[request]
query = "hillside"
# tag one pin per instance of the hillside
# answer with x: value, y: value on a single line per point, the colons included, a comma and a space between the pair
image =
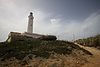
x: 42, y: 53
x: 91, y: 41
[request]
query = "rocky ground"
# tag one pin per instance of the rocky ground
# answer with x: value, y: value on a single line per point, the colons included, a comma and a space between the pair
x: 42, y: 54
x: 53, y: 61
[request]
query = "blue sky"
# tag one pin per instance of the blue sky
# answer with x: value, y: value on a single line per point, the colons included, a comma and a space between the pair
x: 63, y: 18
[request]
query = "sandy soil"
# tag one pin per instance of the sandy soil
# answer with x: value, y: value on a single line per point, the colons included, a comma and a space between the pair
x: 95, y: 60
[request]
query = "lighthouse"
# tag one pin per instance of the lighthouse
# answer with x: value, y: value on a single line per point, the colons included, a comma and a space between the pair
x: 29, y: 35
x: 30, y: 23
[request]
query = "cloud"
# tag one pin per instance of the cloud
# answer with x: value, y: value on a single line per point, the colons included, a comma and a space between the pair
x: 86, y: 28
x: 92, y: 23
x: 65, y: 29
x: 14, y: 17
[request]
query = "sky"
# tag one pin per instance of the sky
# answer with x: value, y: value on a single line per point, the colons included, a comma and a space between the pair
x: 67, y: 19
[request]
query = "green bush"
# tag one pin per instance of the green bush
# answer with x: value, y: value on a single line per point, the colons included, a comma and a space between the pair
x: 91, y: 41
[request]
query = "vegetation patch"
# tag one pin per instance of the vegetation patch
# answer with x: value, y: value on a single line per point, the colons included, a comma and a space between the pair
x: 91, y: 41
x: 39, y: 48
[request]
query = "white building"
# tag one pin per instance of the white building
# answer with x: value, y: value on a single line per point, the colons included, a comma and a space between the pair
x: 29, y: 35
x: 30, y: 23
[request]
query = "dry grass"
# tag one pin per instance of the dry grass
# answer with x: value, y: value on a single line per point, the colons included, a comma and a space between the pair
x: 55, y: 60
x: 59, y: 61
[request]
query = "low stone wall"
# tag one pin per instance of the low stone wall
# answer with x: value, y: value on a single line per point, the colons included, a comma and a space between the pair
x: 14, y: 36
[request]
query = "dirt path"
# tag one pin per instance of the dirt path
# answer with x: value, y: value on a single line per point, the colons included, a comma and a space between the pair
x: 95, y: 60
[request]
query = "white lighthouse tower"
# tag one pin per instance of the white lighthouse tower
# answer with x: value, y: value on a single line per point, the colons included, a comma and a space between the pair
x: 30, y: 23
x: 29, y: 35
x: 29, y: 32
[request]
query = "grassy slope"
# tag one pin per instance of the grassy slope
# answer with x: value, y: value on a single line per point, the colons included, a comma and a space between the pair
x: 41, y: 53
x: 91, y: 41
x: 20, y: 49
